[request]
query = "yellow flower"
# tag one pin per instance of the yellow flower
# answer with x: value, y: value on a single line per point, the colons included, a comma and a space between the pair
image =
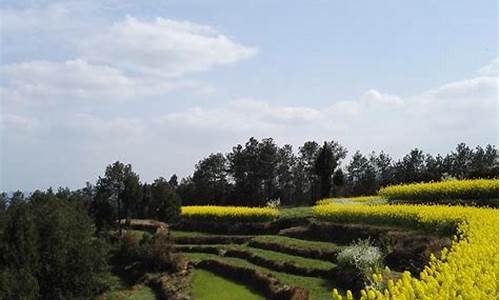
x: 467, y: 270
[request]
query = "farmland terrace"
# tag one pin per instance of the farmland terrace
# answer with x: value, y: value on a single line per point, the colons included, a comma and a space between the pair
x: 291, y: 257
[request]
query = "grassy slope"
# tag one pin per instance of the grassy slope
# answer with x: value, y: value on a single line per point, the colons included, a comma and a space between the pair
x: 296, y: 260
x: 140, y: 292
x: 318, y: 288
x: 209, y: 286
x: 297, y: 243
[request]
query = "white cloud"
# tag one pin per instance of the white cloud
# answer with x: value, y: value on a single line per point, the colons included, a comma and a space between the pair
x: 243, y: 115
x: 470, y: 88
x: 375, y: 97
x: 47, y: 80
x: 490, y: 69
x: 131, y: 59
x: 163, y: 47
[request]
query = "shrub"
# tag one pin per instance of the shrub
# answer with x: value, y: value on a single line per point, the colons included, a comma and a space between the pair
x: 360, y: 260
x: 228, y: 213
x: 467, y: 270
x: 163, y: 256
x: 274, y: 203
x: 156, y: 252
x: 449, y: 191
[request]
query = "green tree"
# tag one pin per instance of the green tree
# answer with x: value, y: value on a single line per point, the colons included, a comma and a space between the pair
x: 307, y: 157
x: 361, y: 178
x: 165, y: 203
x: 327, y: 160
x: 285, y: 174
x: 116, y: 195
x: 19, y: 259
x: 72, y: 262
x: 210, y: 179
x: 48, y: 251
x: 411, y: 167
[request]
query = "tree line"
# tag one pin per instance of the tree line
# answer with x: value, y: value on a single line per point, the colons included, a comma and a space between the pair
x: 259, y: 171
x: 254, y: 173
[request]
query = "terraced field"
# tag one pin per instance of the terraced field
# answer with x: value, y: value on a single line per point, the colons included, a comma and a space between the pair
x: 295, y: 262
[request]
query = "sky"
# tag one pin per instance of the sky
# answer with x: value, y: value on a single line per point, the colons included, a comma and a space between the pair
x: 162, y: 84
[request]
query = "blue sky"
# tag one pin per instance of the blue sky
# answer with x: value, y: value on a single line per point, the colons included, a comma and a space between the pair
x: 160, y: 84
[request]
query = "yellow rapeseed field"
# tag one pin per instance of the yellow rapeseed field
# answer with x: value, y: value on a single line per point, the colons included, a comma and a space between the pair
x: 228, y: 213
x: 358, y: 199
x: 468, y: 270
x: 473, y: 189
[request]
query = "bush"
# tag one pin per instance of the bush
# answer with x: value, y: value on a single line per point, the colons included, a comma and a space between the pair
x: 449, y: 191
x: 163, y: 256
x: 229, y: 213
x: 359, y: 261
x: 154, y: 252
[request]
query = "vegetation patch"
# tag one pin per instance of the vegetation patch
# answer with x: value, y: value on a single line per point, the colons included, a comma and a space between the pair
x: 320, y: 250
x: 229, y: 213
x: 171, y: 286
x: 474, y: 191
x: 150, y: 226
x: 200, y: 238
x: 352, y: 200
x: 137, y: 292
x: 270, y: 286
x: 319, y: 288
x: 206, y: 285
x: 467, y: 269
x: 269, y: 259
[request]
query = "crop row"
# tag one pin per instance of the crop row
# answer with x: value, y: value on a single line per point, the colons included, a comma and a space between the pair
x: 228, y: 213
x: 449, y: 191
x: 467, y: 270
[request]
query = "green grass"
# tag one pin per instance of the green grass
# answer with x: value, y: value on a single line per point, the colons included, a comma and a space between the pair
x: 180, y: 233
x: 319, y: 288
x: 206, y: 285
x: 140, y: 292
x: 361, y: 200
x: 297, y: 243
x: 296, y: 260
x: 296, y: 212
x: 299, y: 261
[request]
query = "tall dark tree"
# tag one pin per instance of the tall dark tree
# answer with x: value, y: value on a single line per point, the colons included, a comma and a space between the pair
x: 210, y: 179
x: 327, y: 160
x: 307, y: 158
x: 16, y: 198
x: 267, y: 166
x: 324, y: 167
x: 484, y: 163
x: 285, y: 174
x: 338, y: 181
x: 19, y: 258
x: 244, y: 170
x: 461, y: 161
x: 173, y: 181
x: 361, y: 178
x: 4, y: 199
x: 165, y: 203
x: 411, y: 168
x: 187, y: 191
x: 116, y: 194
x: 384, y: 169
